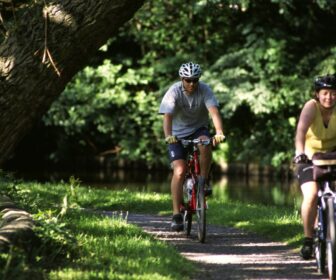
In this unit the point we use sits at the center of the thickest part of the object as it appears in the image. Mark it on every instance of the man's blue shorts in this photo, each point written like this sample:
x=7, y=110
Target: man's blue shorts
x=177, y=151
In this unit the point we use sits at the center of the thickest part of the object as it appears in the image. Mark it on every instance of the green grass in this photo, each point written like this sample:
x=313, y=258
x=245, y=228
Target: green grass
x=113, y=249
x=277, y=223
x=82, y=245
x=90, y=246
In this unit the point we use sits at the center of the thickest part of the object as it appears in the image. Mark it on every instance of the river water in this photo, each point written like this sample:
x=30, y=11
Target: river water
x=252, y=189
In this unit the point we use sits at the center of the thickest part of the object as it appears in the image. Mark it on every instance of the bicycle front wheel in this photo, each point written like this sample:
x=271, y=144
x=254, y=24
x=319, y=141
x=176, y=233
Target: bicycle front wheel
x=200, y=209
x=320, y=255
x=331, y=239
x=320, y=241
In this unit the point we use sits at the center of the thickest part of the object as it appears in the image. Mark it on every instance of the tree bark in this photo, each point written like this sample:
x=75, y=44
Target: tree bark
x=45, y=48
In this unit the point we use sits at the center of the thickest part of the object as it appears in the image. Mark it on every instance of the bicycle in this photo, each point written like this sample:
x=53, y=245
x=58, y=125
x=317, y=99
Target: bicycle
x=193, y=189
x=324, y=170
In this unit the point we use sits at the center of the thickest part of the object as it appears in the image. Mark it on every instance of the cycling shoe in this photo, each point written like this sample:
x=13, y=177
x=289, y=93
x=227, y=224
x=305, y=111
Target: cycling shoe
x=177, y=222
x=307, y=248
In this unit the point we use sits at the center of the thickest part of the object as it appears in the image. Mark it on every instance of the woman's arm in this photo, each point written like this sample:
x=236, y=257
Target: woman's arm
x=306, y=118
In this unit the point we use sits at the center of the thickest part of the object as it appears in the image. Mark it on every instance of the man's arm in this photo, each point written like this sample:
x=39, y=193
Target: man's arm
x=216, y=119
x=167, y=124
x=167, y=128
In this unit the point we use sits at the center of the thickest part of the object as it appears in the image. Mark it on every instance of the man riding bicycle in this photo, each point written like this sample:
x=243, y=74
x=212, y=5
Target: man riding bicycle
x=186, y=107
x=316, y=132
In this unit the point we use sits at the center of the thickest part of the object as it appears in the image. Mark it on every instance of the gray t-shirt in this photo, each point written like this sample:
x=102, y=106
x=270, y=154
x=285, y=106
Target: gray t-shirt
x=190, y=112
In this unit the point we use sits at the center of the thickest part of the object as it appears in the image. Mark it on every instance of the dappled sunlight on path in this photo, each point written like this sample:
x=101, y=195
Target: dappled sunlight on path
x=230, y=253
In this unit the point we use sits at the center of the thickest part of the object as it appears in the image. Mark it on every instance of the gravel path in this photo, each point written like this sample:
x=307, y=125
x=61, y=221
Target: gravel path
x=229, y=253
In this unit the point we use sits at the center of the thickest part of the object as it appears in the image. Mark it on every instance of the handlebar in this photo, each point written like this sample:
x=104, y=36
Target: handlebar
x=196, y=141
x=186, y=142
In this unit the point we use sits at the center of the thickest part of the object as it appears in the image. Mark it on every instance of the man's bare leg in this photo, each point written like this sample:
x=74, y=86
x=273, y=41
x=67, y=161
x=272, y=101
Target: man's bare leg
x=205, y=157
x=179, y=167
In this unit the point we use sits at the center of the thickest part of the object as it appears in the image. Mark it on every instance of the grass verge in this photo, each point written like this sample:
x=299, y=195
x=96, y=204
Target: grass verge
x=81, y=245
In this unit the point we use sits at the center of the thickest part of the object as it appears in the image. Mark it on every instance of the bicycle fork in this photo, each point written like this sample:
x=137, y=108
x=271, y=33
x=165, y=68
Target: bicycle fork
x=320, y=224
x=323, y=196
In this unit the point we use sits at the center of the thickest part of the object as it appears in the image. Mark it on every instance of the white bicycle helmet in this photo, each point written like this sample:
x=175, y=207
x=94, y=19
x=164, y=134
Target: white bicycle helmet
x=190, y=70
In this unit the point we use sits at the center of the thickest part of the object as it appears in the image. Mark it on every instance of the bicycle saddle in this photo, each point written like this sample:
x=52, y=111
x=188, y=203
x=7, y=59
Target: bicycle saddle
x=321, y=159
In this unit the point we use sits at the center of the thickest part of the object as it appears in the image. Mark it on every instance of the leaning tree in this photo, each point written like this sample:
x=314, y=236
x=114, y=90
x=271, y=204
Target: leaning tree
x=43, y=44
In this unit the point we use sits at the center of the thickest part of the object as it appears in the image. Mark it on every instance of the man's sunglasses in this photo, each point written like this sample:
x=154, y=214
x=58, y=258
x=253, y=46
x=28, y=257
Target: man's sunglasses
x=189, y=81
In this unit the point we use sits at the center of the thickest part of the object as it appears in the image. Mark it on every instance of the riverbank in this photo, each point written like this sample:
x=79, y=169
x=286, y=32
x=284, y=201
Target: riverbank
x=84, y=245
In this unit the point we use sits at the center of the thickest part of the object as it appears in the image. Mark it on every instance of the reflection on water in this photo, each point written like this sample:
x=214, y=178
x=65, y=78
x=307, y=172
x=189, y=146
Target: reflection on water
x=252, y=189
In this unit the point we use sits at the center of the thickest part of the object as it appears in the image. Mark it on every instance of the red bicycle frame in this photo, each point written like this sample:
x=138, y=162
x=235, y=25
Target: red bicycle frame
x=194, y=189
x=194, y=171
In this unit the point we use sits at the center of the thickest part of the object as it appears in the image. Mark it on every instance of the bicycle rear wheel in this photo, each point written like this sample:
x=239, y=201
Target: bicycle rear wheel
x=200, y=209
x=331, y=239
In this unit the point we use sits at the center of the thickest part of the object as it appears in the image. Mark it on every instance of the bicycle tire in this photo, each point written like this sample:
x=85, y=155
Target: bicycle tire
x=331, y=239
x=200, y=209
x=187, y=222
x=320, y=241
x=320, y=255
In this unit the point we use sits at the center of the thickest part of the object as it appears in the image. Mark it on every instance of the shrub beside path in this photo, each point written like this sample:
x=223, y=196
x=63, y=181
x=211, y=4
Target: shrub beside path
x=229, y=253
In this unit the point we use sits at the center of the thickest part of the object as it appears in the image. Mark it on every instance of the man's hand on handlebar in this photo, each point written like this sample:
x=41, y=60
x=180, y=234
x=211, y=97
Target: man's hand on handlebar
x=300, y=158
x=218, y=138
x=171, y=139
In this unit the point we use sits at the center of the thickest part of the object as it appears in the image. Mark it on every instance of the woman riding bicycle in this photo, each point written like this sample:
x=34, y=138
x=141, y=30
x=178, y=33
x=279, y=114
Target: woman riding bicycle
x=316, y=132
x=186, y=107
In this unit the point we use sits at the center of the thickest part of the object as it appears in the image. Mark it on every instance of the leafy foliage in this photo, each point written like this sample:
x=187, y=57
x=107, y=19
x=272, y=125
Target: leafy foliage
x=259, y=57
x=109, y=112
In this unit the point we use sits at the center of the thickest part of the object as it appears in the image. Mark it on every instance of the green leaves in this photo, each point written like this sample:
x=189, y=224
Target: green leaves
x=110, y=110
x=260, y=58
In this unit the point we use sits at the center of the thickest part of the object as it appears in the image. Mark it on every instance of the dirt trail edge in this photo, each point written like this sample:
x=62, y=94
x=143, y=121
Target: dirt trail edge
x=230, y=253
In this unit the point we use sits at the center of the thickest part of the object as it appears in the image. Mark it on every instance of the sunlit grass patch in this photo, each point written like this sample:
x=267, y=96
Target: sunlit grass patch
x=124, y=200
x=114, y=249
x=72, y=274
x=107, y=247
x=279, y=223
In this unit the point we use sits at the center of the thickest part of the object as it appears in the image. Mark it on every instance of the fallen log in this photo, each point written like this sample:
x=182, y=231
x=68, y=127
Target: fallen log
x=16, y=226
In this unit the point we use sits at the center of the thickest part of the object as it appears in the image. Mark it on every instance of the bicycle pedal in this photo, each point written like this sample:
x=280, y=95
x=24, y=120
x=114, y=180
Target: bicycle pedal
x=182, y=208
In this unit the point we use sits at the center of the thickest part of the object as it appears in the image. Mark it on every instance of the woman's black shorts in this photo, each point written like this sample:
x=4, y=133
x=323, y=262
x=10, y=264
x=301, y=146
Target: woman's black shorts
x=304, y=172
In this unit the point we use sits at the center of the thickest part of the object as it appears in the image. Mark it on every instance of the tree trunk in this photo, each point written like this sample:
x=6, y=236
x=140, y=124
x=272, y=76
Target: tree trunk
x=47, y=46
